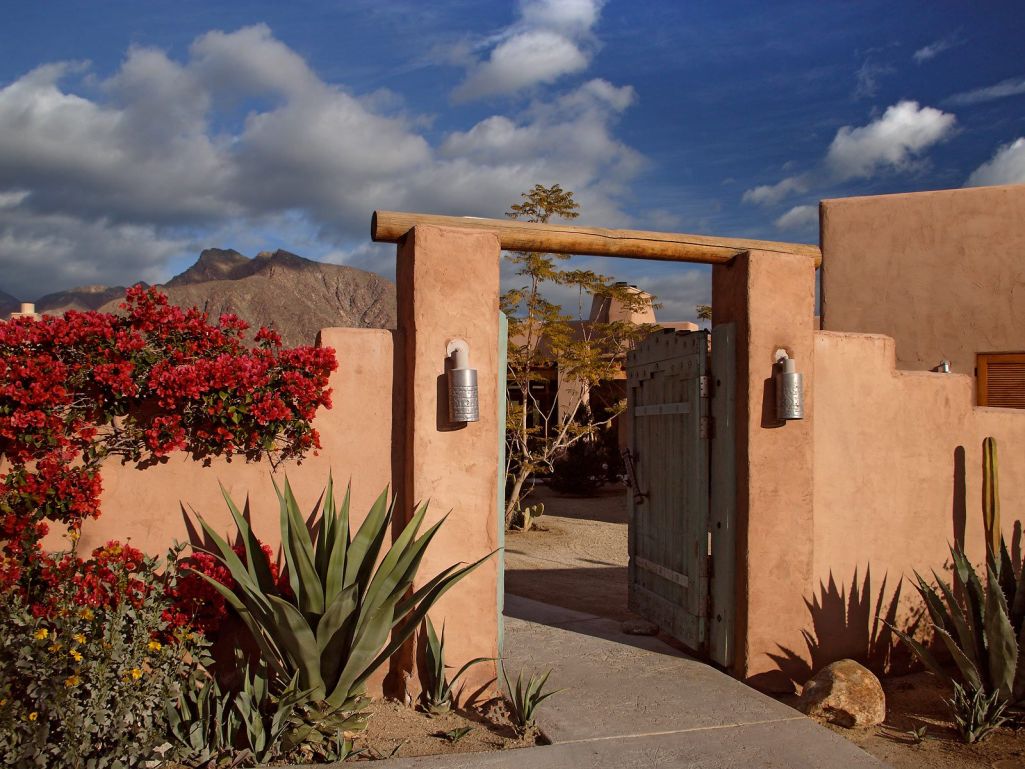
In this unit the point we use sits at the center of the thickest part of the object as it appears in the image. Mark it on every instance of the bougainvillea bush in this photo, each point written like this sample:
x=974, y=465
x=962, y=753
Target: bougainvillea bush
x=87, y=667
x=77, y=389
x=92, y=650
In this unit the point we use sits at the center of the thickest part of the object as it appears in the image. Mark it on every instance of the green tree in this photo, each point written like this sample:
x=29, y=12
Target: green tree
x=543, y=338
x=703, y=311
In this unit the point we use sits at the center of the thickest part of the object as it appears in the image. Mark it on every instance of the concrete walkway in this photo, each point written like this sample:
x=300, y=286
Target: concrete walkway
x=632, y=701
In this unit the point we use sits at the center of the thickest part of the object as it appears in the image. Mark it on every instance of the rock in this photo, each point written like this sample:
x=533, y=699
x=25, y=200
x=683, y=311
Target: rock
x=844, y=693
x=639, y=627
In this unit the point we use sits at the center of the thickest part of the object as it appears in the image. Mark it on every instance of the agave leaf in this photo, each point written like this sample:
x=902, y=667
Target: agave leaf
x=334, y=634
x=1003, y=647
x=975, y=598
x=338, y=548
x=302, y=574
x=234, y=564
x=367, y=641
x=923, y=654
x=390, y=572
x=969, y=671
x=293, y=633
x=325, y=533
x=257, y=565
x=958, y=622
x=270, y=653
x=366, y=545
x=438, y=587
x=938, y=612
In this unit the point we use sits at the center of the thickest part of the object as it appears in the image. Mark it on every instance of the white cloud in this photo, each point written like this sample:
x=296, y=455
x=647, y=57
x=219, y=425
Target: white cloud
x=1007, y=166
x=770, y=194
x=157, y=155
x=934, y=49
x=551, y=39
x=902, y=132
x=1012, y=86
x=799, y=218
x=891, y=141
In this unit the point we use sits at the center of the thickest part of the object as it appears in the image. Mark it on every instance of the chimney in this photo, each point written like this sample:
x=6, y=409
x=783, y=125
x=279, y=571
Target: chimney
x=28, y=310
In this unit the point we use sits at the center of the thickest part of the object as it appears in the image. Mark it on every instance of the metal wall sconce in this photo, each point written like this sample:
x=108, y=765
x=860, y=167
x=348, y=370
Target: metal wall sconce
x=789, y=388
x=463, y=402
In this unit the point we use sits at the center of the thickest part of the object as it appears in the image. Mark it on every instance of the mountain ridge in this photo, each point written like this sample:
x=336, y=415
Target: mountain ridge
x=294, y=295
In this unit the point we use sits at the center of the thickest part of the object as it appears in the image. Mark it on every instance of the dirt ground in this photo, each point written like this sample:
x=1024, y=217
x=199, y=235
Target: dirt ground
x=578, y=560
x=398, y=731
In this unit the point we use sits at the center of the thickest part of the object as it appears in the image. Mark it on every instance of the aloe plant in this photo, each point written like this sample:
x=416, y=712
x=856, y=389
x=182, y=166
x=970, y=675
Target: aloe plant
x=438, y=694
x=526, y=697
x=350, y=607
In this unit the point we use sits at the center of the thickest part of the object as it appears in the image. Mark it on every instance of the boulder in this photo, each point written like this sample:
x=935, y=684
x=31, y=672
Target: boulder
x=844, y=693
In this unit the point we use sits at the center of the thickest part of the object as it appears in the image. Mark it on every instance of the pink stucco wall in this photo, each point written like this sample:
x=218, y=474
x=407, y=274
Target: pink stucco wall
x=144, y=505
x=388, y=427
x=940, y=272
x=836, y=510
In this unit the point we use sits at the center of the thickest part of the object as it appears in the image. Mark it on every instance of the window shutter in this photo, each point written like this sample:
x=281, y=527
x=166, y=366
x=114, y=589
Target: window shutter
x=1001, y=379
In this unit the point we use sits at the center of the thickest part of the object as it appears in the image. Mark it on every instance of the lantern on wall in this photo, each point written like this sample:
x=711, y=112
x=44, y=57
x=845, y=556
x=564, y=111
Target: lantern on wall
x=463, y=403
x=789, y=389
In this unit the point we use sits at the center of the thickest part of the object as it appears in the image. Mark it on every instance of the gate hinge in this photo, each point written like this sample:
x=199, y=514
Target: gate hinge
x=705, y=386
x=706, y=427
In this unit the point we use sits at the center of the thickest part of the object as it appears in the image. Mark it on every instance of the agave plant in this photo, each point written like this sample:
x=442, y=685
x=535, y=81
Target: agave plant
x=207, y=724
x=983, y=630
x=525, y=697
x=349, y=608
x=438, y=695
x=976, y=714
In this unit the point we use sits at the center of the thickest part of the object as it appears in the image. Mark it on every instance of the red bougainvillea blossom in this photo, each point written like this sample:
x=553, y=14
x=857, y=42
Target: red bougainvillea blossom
x=139, y=385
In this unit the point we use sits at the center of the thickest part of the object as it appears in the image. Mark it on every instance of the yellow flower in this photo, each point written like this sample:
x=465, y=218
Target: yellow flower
x=79, y=638
x=74, y=534
x=42, y=633
x=86, y=613
x=136, y=673
x=154, y=646
x=55, y=647
x=33, y=716
x=76, y=655
x=72, y=681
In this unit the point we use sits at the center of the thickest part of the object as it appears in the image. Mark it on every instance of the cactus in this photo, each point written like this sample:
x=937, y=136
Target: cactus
x=991, y=499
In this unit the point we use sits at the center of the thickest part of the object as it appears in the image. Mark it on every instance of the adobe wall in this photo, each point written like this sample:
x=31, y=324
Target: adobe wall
x=388, y=426
x=898, y=475
x=144, y=505
x=943, y=273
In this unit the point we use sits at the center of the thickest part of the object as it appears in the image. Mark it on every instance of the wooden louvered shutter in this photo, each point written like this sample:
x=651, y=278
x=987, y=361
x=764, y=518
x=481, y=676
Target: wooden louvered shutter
x=1001, y=379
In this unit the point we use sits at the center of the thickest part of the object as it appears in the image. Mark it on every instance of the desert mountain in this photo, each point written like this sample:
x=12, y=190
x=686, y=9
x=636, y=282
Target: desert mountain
x=81, y=298
x=295, y=296
x=8, y=304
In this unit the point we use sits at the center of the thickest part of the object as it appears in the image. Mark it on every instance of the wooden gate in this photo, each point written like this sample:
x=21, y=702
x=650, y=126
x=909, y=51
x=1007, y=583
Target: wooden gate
x=681, y=542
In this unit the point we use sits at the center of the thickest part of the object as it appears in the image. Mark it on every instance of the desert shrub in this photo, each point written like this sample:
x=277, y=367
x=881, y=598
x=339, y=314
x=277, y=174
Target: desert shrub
x=87, y=661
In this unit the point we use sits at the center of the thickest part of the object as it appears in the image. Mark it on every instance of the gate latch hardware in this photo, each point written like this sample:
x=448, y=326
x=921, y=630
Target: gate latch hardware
x=629, y=460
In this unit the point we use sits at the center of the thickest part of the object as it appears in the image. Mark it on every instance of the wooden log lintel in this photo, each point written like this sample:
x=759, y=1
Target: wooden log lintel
x=391, y=226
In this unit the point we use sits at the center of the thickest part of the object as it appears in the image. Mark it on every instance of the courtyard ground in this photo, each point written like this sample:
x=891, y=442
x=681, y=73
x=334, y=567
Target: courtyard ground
x=578, y=561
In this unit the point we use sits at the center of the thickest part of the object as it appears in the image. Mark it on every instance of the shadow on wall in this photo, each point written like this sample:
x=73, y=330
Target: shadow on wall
x=847, y=623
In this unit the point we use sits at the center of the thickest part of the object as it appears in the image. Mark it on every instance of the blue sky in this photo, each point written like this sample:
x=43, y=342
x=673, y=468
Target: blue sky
x=133, y=134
